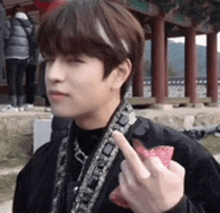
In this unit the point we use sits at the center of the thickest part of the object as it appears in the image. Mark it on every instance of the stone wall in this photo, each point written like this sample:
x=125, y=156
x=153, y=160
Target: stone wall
x=185, y=118
x=16, y=129
x=16, y=134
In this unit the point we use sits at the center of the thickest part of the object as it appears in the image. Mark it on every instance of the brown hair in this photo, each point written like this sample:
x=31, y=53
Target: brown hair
x=98, y=28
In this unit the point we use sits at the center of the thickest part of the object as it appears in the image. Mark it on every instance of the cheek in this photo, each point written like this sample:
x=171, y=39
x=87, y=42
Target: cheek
x=87, y=83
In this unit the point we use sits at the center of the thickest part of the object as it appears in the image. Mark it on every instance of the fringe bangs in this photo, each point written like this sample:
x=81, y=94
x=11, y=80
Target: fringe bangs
x=65, y=31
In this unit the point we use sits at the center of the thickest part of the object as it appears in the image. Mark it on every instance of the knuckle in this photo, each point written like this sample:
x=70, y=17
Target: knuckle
x=156, y=165
x=123, y=191
x=139, y=182
x=159, y=169
x=158, y=176
x=131, y=185
x=183, y=171
x=141, y=179
x=155, y=160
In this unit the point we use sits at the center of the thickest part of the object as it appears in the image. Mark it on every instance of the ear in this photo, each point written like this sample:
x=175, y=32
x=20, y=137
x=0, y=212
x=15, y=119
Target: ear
x=121, y=74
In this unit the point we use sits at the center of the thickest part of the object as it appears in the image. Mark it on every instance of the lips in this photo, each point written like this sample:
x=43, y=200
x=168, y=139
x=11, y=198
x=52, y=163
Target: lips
x=57, y=96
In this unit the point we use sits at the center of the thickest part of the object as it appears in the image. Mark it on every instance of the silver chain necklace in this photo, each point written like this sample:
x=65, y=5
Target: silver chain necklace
x=80, y=156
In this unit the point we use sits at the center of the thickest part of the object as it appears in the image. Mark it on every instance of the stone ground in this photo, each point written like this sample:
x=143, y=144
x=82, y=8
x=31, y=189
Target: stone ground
x=12, y=164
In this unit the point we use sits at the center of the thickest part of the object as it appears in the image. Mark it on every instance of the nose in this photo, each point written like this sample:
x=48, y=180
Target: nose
x=54, y=71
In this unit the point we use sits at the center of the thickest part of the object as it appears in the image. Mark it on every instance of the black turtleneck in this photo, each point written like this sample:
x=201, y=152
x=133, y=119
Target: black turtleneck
x=88, y=139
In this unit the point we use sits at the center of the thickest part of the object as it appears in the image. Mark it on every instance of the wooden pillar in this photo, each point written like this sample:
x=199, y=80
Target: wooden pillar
x=138, y=82
x=212, y=67
x=166, y=67
x=191, y=66
x=158, y=60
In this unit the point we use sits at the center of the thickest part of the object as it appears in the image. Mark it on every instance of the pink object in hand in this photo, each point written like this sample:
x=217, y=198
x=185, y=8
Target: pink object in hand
x=165, y=154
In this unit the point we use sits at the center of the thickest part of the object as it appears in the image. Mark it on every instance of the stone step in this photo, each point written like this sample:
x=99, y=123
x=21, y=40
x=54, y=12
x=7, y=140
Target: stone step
x=10, y=171
x=6, y=207
x=217, y=157
x=16, y=138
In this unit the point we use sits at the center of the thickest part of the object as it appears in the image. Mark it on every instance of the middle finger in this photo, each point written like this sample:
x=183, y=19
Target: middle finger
x=126, y=171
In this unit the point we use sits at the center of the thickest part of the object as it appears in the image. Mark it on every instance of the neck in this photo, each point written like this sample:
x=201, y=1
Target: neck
x=100, y=118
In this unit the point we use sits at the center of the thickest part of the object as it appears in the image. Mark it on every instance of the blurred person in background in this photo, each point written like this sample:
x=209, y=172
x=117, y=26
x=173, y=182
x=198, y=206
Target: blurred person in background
x=16, y=31
x=32, y=63
x=2, y=19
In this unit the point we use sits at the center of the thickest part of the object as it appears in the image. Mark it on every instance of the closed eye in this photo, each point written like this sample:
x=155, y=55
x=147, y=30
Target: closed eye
x=75, y=60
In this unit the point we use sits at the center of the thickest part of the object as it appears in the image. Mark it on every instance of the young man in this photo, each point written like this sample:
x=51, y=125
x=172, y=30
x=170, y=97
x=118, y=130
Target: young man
x=92, y=48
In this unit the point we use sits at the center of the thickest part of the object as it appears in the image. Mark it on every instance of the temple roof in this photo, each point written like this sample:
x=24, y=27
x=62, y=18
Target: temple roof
x=202, y=14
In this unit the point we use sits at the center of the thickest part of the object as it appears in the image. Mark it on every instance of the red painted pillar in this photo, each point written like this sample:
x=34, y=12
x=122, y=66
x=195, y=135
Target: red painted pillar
x=166, y=67
x=158, y=60
x=212, y=67
x=191, y=65
x=138, y=82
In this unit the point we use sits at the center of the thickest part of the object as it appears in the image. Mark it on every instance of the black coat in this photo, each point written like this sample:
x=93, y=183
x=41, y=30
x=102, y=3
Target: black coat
x=202, y=182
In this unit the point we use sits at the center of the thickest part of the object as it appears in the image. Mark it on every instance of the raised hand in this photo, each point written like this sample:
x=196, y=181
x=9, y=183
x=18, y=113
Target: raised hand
x=146, y=184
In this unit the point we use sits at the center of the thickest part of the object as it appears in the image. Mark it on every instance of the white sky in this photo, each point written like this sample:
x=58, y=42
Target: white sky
x=200, y=40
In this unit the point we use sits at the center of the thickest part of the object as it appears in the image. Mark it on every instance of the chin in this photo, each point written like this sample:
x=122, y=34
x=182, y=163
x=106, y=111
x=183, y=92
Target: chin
x=61, y=113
